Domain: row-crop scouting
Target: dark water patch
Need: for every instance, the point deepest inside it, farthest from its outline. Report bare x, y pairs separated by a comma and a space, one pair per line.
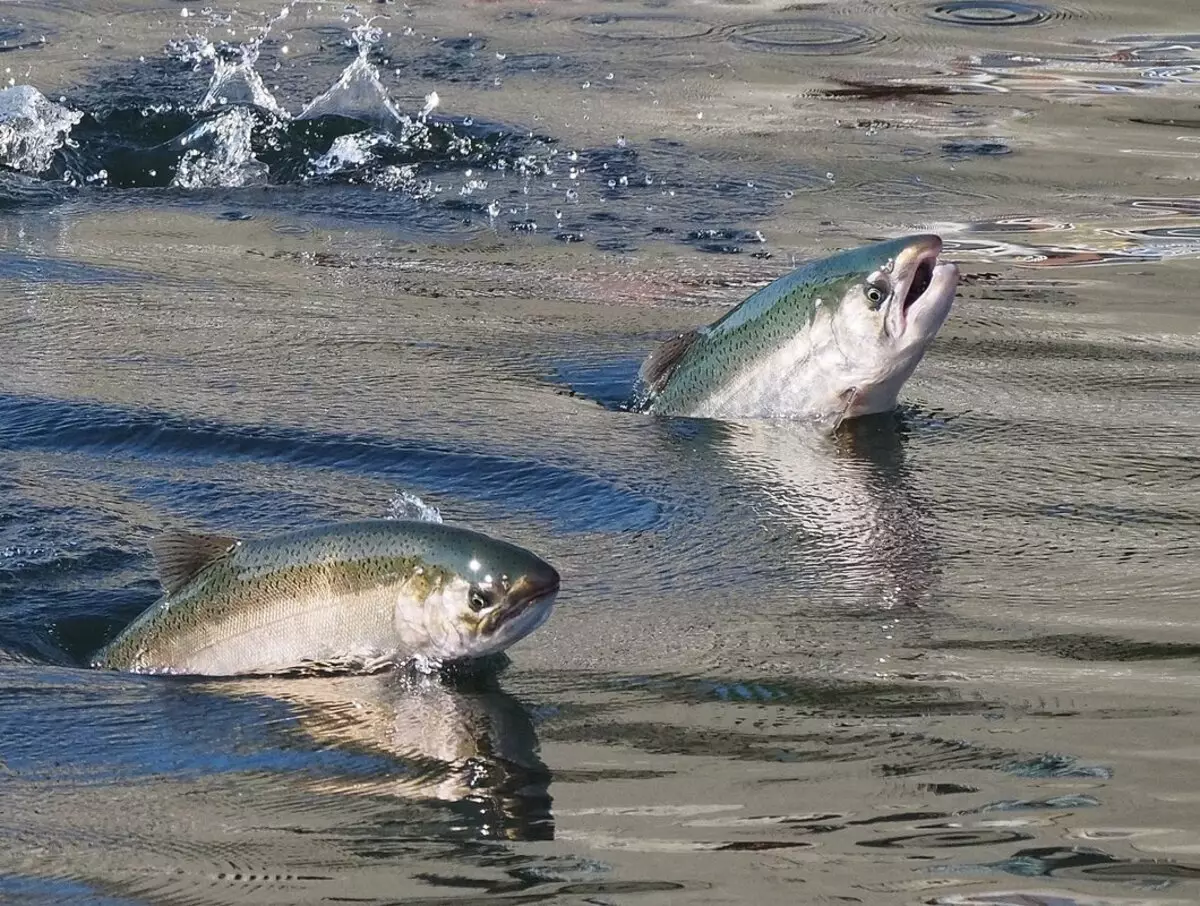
974, 147
893, 817
804, 36
28, 890
1053, 766
14, 38
892, 753
947, 789
949, 839
607, 381
1086, 863
722, 241
15, 266
1023, 224
1038, 349
1172, 232
18, 191
815, 697
139, 147
991, 13
600, 888
1068, 801
159, 81
109, 740
1078, 647
1173, 122
653, 27
1166, 205
889, 91
572, 501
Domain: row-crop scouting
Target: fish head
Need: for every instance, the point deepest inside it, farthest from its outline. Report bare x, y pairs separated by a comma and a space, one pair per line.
495, 594
882, 312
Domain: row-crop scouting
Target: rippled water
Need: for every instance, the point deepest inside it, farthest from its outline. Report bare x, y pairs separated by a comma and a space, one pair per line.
262, 270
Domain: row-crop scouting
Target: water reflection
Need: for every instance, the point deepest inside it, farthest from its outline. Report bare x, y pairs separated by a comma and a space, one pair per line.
456, 739
846, 501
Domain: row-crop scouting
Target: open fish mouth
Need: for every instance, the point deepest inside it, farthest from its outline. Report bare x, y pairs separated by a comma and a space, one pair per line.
923, 281
524, 594
920, 281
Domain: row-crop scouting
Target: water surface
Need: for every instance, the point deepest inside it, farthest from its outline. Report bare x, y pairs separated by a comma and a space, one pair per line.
254, 274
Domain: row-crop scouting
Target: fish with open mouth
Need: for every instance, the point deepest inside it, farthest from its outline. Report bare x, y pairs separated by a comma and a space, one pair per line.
354, 597
835, 338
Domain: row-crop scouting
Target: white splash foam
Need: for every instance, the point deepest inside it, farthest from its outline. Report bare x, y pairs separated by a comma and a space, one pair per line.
219, 153
407, 505
32, 128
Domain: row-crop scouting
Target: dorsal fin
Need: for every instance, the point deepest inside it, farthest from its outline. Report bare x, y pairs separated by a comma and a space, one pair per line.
180, 555
660, 364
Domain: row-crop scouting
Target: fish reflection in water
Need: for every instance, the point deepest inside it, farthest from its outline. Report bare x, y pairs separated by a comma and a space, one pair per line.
455, 738
846, 500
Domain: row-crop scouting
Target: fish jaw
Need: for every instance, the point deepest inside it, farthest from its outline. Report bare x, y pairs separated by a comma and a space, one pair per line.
923, 295
435, 631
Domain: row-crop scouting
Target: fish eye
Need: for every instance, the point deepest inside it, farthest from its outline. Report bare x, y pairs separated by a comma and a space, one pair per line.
876, 289
478, 599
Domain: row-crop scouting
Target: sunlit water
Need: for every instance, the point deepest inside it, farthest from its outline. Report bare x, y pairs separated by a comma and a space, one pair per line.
263, 267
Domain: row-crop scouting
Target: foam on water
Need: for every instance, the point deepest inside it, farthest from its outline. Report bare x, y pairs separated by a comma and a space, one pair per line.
32, 128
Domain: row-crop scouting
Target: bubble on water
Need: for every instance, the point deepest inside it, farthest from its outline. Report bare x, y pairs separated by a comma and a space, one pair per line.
407, 505
32, 129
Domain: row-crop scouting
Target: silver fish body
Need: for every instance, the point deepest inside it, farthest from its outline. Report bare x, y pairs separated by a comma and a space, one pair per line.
835, 338
352, 597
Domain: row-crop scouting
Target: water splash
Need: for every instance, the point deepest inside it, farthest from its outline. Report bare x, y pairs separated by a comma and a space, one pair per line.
219, 153
234, 80
357, 94
32, 129
407, 505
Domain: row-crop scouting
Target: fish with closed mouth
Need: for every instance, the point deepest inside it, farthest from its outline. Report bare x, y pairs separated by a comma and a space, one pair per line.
835, 338
353, 597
